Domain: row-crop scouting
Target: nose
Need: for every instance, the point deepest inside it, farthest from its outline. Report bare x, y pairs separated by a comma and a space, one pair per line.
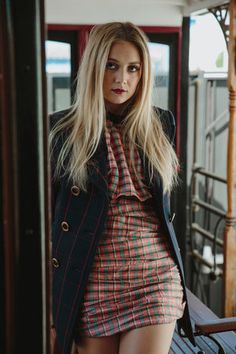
121, 76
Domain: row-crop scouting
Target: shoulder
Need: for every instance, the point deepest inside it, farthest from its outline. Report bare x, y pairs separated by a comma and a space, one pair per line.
168, 122
55, 117
58, 137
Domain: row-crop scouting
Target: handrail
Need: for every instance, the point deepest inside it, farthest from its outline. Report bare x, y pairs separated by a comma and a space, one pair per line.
216, 121
207, 234
217, 271
195, 227
206, 173
209, 207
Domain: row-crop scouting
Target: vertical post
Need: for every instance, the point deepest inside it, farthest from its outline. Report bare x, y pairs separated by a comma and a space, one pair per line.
230, 225
24, 190
8, 217
180, 195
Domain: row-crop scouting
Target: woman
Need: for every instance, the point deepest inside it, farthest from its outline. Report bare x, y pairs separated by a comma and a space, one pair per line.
118, 283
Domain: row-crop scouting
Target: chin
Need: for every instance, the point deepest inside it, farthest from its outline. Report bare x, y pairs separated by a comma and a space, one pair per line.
118, 101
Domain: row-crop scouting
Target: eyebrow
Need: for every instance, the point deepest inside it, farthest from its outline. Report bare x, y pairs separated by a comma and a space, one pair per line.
117, 61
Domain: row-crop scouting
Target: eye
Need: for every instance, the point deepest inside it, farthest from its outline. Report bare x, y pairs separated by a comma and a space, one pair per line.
111, 66
133, 68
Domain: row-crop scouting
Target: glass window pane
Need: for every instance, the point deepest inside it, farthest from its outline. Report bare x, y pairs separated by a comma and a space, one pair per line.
160, 56
58, 68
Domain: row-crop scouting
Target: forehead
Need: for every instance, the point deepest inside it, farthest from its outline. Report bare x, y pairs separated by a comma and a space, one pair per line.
124, 50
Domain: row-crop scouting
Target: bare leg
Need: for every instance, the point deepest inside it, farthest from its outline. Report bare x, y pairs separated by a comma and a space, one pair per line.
154, 339
98, 345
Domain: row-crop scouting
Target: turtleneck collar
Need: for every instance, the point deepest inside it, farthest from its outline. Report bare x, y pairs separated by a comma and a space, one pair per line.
116, 118
119, 117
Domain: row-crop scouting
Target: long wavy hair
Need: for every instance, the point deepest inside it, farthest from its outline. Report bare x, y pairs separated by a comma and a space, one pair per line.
86, 120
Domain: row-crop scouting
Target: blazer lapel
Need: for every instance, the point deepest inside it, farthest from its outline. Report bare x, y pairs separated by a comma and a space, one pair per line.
98, 168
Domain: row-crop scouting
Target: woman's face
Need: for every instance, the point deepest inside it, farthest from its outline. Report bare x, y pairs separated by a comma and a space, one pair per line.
122, 74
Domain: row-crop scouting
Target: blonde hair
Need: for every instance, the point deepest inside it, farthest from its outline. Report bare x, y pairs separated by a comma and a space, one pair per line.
85, 122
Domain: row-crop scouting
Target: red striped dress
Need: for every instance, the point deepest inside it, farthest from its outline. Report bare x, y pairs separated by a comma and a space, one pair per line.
134, 280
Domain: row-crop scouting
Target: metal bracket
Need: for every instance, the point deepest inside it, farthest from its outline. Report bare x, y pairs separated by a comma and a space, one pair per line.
221, 13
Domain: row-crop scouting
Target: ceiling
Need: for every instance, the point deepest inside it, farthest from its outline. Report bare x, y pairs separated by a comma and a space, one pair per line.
141, 12
191, 6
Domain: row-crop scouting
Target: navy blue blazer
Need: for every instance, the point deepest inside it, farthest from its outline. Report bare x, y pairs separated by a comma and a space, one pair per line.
77, 226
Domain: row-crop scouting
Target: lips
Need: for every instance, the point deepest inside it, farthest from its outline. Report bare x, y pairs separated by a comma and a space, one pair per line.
118, 91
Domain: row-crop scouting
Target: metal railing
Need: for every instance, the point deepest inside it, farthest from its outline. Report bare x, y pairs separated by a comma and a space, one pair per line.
195, 228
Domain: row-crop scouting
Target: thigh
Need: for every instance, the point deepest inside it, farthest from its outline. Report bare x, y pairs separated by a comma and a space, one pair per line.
154, 339
98, 345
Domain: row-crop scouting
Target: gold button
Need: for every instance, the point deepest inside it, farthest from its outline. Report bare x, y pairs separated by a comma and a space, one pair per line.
75, 190
64, 226
55, 263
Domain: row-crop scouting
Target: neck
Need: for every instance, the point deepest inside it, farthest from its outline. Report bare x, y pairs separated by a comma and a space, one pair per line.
117, 109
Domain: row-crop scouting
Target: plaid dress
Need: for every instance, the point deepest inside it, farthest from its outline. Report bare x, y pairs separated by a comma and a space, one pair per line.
134, 280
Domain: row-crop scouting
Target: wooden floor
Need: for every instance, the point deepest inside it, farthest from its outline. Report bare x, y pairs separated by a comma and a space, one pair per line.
200, 313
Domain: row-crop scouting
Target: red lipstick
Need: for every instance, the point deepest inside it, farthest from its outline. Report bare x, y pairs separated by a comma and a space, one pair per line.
118, 91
